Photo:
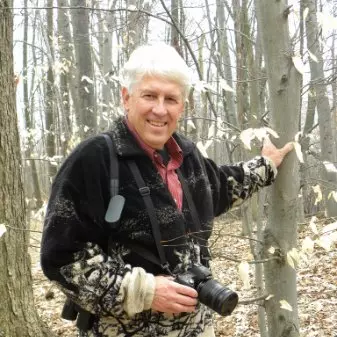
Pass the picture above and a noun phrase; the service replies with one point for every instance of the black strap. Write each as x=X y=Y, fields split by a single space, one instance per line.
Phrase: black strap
x=114 y=173
x=194 y=215
x=145 y=193
x=190 y=202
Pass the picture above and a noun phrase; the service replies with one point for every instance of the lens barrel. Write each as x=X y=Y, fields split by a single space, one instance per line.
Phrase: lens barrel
x=217 y=297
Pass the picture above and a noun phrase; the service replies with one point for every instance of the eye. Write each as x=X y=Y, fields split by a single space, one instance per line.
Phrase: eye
x=171 y=99
x=148 y=96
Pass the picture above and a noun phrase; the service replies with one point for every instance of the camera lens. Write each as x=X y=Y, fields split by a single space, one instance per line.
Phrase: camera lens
x=217 y=297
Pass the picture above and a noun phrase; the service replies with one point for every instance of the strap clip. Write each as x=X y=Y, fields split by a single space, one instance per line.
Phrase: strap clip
x=144 y=190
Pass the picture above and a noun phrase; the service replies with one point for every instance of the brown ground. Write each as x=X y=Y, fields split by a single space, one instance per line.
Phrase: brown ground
x=317 y=290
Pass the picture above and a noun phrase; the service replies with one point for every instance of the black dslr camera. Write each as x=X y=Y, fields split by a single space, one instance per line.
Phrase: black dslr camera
x=210 y=292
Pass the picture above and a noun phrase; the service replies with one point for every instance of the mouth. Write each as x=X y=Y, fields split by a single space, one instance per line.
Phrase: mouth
x=157 y=124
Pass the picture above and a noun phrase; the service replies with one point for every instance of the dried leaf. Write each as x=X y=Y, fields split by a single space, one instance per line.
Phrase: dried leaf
x=132 y=8
x=317 y=190
x=312 y=225
x=293 y=258
x=224 y=85
x=298 y=151
x=244 y=274
x=324 y=242
x=298 y=63
x=202 y=149
x=272 y=132
x=333 y=194
x=308 y=245
x=330 y=167
x=246 y=136
x=285 y=305
x=271 y=250
x=190 y=125
x=329 y=228
x=298 y=136
x=211 y=131
x=2 y=229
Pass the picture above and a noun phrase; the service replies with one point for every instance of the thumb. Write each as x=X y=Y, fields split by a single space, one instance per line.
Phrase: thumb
x=287 y=148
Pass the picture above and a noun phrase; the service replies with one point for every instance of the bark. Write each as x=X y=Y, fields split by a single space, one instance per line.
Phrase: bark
x=280 y=233
x=137 y=25
x=225 y=62
x=66 y=57
x=18 y=317
x=328 y=149
x=30 y=167
x=86 y=115
x=50 y=97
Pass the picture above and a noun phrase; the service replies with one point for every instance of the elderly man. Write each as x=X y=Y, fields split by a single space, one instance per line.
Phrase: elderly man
x=126 y=292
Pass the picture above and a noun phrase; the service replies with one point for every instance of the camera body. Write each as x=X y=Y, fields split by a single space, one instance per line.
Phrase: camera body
x=210 y=292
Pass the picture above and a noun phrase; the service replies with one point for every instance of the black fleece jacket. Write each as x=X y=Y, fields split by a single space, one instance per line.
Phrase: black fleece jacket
x=75 y=240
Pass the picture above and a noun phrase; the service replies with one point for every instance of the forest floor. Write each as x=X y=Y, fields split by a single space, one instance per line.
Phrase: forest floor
x=316 y=287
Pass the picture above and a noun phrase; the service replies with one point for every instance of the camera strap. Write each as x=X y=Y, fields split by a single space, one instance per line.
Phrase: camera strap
x=145 y=193
x=116 y=203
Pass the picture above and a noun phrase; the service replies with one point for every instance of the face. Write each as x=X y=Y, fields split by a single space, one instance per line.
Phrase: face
x=153 y=109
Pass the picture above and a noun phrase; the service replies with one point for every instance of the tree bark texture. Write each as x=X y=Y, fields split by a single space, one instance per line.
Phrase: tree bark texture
x=328 y=147
x=280 y=232
x=18 y=317
x=86 y=115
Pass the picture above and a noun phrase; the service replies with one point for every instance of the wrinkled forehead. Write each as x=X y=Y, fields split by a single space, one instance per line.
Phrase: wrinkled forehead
x=159 y=83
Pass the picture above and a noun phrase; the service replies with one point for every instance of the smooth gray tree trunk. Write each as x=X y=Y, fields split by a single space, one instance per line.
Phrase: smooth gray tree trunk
x=328 y=146
x=280 y=233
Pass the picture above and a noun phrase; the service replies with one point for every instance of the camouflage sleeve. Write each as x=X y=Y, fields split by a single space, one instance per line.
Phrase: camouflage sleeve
x=232 y=184
x=257 y=173
x=105 y=285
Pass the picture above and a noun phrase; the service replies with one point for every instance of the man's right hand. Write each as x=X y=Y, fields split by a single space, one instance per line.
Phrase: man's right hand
x=172 y=297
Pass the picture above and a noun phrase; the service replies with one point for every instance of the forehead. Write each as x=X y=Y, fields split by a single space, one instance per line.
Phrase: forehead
x=159 y=85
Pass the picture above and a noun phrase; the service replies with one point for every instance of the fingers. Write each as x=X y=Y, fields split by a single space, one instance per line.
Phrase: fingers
x=287 y=148
x=172 y=297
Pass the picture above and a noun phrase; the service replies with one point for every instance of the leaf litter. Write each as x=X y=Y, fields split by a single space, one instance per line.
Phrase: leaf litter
x=316 y=286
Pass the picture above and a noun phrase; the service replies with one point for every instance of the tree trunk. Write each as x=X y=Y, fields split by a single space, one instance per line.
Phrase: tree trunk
x=30 y=166
x=66 y=81
x=86 y=115
x=328 y=150
x=280 y=232
x=18 y=317
x=50 y=97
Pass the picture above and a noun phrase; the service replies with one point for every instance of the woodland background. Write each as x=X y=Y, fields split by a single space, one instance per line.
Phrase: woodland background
x=260 y=67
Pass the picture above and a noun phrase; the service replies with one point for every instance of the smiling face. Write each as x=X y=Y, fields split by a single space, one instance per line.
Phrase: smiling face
x=153 y=109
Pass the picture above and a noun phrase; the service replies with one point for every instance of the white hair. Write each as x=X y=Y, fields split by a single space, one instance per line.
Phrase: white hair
x=159 y=60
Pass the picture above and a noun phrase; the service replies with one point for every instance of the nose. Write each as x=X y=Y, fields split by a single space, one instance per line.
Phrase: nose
x=159 y=107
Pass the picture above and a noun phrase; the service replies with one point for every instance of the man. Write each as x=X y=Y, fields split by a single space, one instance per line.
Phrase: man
x=127 y=293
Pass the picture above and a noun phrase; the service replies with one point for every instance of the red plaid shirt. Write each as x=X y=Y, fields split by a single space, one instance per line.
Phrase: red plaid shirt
x=168 y=173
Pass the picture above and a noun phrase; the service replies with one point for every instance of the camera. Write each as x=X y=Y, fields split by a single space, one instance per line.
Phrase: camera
x=210 y=292
x=72 y=312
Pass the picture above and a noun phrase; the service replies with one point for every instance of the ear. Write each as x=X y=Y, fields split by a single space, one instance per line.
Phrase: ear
x=125 y=98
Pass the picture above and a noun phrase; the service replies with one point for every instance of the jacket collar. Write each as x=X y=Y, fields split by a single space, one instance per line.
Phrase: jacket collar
x=127 y=146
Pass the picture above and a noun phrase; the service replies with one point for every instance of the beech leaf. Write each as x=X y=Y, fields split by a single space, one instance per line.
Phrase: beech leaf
x=298 y=63
x=317 y=190
x=308 y=245
x=2 y=229
x=285 y=305
x=298 y=151
x=244 y=274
